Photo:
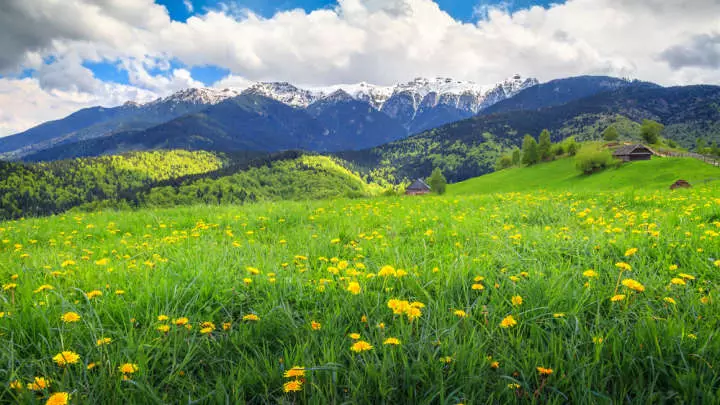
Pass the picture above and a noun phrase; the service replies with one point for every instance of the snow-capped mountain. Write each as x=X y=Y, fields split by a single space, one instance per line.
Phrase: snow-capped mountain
x=198 y=96
x=357 y=109
x=406 y=102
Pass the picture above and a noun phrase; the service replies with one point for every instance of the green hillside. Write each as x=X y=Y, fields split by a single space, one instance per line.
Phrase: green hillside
x=658 y=173
x=175 y=177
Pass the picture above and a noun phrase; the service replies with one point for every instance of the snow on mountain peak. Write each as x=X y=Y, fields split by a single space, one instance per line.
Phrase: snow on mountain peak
x=283 y=92
x=209 y=96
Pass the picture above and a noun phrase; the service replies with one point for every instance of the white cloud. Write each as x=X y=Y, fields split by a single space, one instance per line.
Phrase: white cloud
x=25 y=103
x=381 y=41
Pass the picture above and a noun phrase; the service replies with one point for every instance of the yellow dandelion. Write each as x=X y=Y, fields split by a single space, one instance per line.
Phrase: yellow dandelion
x=315 y=325
x=630 y=252
x=66 y=357
x=354 y=288
x=633 y=285
x=103 y=341
x=295 y=372
x=70 y=317
x=94 y=294
x=517 y=300
x=293 y=386
x=460 y=313
x=669 y=300
x=128 y=368
x=508 y=322
x=38 y=384
x=392 y=341
x=58 y=398
x=361 y=346
x=354 y=336
x=544 y=371
x=181 y=321
x=678 y=281
x=44 y=287
x=618 y=297
x=251 y=317
x=590 y=273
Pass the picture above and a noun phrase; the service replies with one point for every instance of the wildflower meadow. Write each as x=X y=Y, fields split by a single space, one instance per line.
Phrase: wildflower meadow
x=543 y=297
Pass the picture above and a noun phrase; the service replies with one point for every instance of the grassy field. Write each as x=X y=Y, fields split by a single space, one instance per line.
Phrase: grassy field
x=547 y=297
x=655 y=174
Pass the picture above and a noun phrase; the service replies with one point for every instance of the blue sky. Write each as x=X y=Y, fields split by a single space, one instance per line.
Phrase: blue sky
x=463 y=10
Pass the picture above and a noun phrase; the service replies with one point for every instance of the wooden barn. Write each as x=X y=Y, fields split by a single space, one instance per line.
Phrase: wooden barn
x=418 y=187
x=630 y=153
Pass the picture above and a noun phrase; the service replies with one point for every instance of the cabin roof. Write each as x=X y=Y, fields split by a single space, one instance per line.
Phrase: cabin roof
x=419 y=185
x=630 y=149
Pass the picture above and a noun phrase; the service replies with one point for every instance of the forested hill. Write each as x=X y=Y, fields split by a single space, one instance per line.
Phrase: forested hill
x=470 y=148
x=171 y=178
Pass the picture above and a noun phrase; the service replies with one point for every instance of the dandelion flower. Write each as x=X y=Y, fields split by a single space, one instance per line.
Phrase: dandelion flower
x=478 y=287
x=517 y=300
x=361 y=346
x=678 y=281
x=618 y=297
x=392 y=341
x=293 y=386
x=128 y=368
x=70 y=317
x=460 y=313
x=590 y=273
x=58 y=398
x=94 y=294
x=295 y=372
x=39 y=384
x=633 y=285
x=630 y=252
x=181 y=321
x=315 y=325
x=669 y=300
x=16 y=385
x=103 y=341
x=686 y=276
x=623 y=266
x=508 y=322
x=163 y=328
x=354 y=288
x=354 y=336
x=44 y=287
x=251 y=317
x=162 y=318
x=544 y=371
x=66 y=357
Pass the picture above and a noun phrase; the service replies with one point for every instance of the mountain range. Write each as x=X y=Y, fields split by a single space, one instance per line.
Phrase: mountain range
x=465 y=126
x=266 y=115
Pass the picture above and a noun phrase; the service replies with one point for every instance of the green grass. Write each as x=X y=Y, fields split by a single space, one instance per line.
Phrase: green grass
x=199 y=262
x=561 y=175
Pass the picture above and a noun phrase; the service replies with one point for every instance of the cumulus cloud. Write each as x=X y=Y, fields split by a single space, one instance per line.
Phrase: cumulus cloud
x=701 y=51
x=381 y=41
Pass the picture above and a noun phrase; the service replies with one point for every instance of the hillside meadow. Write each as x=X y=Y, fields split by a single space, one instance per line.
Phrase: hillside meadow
x=543 y=297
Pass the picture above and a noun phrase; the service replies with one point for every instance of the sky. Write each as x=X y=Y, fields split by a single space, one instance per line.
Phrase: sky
x=57 y=56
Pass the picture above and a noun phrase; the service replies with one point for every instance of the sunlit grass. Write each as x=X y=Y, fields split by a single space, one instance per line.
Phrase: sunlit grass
x=270 y=286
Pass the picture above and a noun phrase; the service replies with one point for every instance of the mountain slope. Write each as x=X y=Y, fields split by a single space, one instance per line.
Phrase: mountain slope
x=561 y=91
x=469 y=148
x=352 y=124
x=247 y=122
x=96 y=122
x=561 y=175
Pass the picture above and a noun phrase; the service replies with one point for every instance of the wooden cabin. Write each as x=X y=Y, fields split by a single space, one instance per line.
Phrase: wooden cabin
x=631 y=153
x=418 y=187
